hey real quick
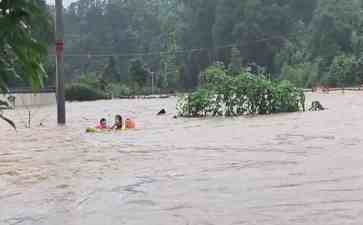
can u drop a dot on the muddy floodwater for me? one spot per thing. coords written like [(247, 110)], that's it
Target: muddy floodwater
[(286, 169)]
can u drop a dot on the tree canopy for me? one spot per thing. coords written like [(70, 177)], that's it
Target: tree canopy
[(177, 39), (25, 26), (21, 48)]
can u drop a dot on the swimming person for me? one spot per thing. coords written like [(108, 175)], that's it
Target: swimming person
[(161, 112), (118, 123), (102, 124), (130, 124)]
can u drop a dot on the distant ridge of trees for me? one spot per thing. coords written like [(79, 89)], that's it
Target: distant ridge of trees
[(310, 42)]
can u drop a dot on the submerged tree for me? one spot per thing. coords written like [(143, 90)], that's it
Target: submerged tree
[(227, 94)]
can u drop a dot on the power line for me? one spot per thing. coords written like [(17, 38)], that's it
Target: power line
[(90, 55)]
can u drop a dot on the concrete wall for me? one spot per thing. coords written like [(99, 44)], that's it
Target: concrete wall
[(40, 99)]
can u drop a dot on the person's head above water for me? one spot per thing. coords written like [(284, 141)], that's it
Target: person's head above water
[(118, 122), (103, 121), (102, 124), (161, 112), (118, 118)]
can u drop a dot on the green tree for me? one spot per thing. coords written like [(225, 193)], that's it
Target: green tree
[(195, 31), (274, 34), (236, 61), (169, 77), (301, 75), (259, 27), (138, 73), (333, 26), (342, 69), (21, 55), (110, 73)]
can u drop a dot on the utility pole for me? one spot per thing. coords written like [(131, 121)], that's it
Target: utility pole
[(152, 83), (59, 32)]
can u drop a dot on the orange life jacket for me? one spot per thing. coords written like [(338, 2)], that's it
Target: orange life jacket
[(130, 124)]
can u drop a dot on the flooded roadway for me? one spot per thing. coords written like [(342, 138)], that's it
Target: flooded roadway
[(286, 169)]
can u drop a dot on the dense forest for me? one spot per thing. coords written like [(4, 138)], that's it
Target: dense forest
[(125, 43)]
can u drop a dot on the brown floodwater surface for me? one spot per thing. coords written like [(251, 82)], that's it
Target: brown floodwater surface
[(285, 169)]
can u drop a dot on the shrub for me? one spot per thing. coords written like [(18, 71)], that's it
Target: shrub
[(83, 92), (199, 103), (138, 72), (223, 94)]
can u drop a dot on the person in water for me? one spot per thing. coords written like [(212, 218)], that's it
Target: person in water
[(130, 124), (102, 124), (118, 123), (161, 112)]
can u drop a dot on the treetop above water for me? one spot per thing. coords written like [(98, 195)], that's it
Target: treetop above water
[(226, 93)]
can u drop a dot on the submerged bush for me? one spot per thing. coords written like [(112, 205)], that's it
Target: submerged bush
[(199, 103), (222, 94), (83, 92)]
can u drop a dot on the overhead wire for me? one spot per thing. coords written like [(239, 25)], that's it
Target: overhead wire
[(167, 52)]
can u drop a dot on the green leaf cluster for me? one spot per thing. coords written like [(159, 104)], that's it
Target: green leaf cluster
[(21, 52), (226, 94)]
